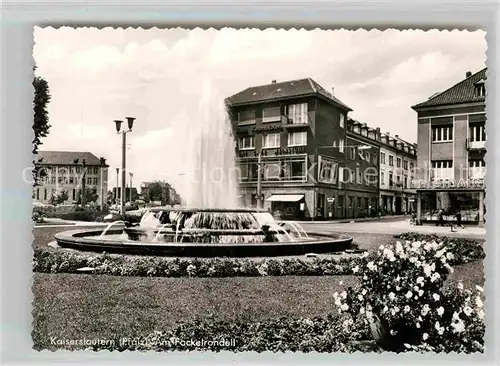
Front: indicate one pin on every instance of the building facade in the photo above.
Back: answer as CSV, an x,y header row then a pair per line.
x,y
299,135
451,139
398,161
167,196
70,172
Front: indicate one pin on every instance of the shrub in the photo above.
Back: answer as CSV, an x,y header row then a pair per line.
x,y
401,298
464,250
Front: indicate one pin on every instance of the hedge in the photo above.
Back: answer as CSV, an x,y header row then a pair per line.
x,y
331,334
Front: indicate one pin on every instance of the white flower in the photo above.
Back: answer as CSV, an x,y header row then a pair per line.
x,y
365,277
384,310
479,288
381,247
434,245
418,325
455,316
420,280
435,276
371,266
480,314
369,315
450,256
338,302
427,246
355,269
458,327
416,288
440,311
436,297
420,292
392,296
416,244
347,323
398,288
406,308
344,307
412,259
362,310
341,283
409,295
467,310
437,326
460,286
479,302
363,292
439,253
425,310
399,247
343,294
396,309
360,297
427,270
425,336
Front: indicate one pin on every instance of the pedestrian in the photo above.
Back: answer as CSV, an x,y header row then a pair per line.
x,y
440,218
458,216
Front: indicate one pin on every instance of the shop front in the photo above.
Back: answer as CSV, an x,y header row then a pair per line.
x,y
287,206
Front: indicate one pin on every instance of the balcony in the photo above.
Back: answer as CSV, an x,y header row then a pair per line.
x,y
476,145
295,120
477,173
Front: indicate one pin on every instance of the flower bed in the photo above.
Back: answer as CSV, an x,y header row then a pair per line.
x,y
402,299
48,261
464,250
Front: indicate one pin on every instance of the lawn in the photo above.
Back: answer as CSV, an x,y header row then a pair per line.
x,y
76,306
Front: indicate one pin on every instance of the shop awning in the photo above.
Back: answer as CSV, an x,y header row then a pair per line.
x,y
285,197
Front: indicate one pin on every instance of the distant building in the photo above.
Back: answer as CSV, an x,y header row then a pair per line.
x,y
398,160
451,140
135,194
65,171
169,195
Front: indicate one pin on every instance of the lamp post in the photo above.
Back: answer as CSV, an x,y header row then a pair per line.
x,y
260,201
131,175
118,123
117,185
84,179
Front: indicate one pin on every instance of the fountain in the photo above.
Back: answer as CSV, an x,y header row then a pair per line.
x,y
216,227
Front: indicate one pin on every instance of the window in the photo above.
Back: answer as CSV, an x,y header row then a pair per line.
x,y
53,180
477,169
89,180
272,170
71,180
382,158
405,164
78,169
477,132
406,183
45,193
364,132
327,172
95,181
353,153
391,183
295,169
341,146
368,156
374,156
246,117
359,177
297,113
411,166
391,160
297,138
398,162
342,120
74,194
442,169
271,114
442,133
356,129
247,143
271,140
480,89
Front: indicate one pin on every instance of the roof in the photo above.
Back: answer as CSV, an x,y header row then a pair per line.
x,y
463,92
66,158
283,90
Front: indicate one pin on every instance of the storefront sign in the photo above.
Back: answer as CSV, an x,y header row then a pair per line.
x,y
273,152
247,130
449,184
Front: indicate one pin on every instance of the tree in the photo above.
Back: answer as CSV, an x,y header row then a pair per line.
x,y
90,195
59,197
41,124
156,191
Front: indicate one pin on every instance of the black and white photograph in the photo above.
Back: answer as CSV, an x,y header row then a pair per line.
x,y
258,190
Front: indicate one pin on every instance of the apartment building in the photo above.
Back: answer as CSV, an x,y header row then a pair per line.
x,y
70,171
451,139
398,160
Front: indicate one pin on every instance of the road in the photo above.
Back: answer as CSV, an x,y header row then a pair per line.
x,y
389,225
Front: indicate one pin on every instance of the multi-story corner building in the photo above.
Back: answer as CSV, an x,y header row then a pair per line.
x,y
168,196
65,171
298,133
451,150
398,160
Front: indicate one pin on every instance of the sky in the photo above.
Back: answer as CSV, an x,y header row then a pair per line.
x,y
157,76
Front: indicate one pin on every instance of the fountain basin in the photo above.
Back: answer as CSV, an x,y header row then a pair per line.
x,y
91,240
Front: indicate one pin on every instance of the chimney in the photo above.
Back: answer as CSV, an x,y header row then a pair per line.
x,y
333,90
388,133
274,82
396,136
468,74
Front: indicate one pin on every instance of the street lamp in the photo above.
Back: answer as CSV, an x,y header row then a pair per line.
x,y
118,123
131,175
117,185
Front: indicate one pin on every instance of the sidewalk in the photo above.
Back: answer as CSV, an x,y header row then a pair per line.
x,y
352,220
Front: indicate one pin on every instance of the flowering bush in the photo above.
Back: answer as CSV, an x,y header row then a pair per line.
x,y
464,250
402,300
